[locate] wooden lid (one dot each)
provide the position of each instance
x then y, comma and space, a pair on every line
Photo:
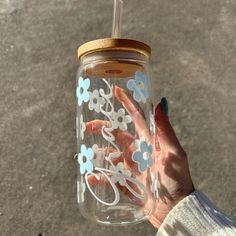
109, 44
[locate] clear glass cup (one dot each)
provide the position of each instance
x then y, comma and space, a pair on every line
117, 177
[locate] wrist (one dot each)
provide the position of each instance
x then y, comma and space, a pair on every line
165, 205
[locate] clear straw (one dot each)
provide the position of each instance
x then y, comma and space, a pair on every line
117, 16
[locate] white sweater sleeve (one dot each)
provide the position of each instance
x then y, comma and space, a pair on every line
195, 215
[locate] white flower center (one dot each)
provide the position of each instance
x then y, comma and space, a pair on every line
145, 155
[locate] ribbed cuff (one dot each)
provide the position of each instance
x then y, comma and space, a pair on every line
195, 215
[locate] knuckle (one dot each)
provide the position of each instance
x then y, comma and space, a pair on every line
180, 153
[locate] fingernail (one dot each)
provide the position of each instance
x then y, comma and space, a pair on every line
164, 105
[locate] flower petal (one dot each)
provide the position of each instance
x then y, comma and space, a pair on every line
82, 168
83, 149
149, 147
127, 119
122, 181
137, 156
89, 153
143, 166
143, 146
131, 84
80, 80
137, 95
86, 83
127, 172
86, 96
90, 106
89, 166
120, 167
80, 158
121, 112
123, 126
114, 178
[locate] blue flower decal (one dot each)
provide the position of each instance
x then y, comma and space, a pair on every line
85, 159
143, 155
82, 90
139, 86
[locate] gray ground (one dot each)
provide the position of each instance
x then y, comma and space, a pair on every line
193, 64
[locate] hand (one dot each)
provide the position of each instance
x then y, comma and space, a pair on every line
169, 158
175, 181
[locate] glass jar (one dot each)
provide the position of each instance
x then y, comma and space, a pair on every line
117, 177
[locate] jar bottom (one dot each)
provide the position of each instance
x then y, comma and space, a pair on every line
119, 215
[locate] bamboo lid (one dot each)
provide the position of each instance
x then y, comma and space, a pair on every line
113, 67
108, 44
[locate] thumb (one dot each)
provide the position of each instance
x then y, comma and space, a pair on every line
165, 133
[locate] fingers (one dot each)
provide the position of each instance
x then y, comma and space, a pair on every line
165, 134
95, 126
125, 99
123, 138
129, 163
101, 153
99, 180
134, 111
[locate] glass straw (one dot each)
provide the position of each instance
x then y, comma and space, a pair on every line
117, 15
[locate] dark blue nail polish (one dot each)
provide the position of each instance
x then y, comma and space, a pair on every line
164, 105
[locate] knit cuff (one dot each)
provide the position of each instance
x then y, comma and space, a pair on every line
196, 215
